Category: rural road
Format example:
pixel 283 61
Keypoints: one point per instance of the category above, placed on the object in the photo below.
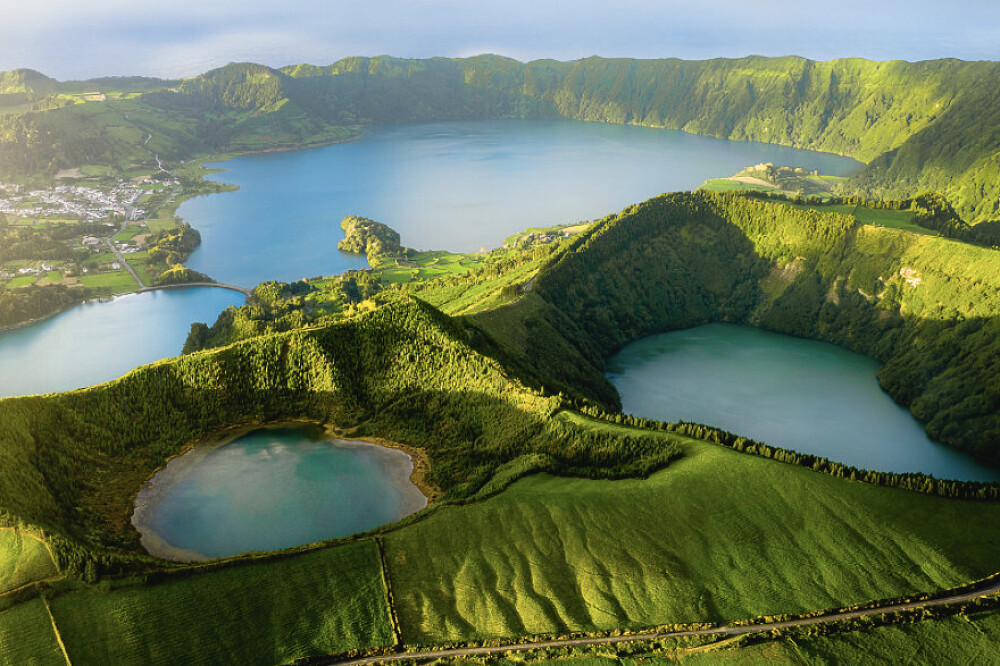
pixel 111 246
pixel 737 630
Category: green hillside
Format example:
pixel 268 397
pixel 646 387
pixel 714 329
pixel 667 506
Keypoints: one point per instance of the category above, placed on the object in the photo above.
pixel 927 307
pixel 545 521
pixel 918 126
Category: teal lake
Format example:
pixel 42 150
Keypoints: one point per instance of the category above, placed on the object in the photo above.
pixel 98 341
pixel 805 395
pixel 457 186
pixel 272 489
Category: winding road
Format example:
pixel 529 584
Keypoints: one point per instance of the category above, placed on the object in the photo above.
pixel 991 587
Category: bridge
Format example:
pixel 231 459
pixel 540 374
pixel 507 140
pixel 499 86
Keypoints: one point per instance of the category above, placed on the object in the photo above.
pixel 219 285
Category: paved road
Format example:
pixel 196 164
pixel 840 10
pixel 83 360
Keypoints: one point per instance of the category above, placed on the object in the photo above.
pixel 111 246
pixel 736 630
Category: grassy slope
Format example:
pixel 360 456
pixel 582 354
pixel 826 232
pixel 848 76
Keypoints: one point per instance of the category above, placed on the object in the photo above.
pixel 317 603
pixel 23 559
pixel 718 536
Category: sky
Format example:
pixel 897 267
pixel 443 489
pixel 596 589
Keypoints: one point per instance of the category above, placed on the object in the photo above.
pixel 70 39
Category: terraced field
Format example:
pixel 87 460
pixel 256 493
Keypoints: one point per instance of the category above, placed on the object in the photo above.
pixel 717 536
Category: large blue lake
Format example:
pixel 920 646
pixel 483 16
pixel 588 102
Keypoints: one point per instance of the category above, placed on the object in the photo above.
pixel 456 186
pixel 806 395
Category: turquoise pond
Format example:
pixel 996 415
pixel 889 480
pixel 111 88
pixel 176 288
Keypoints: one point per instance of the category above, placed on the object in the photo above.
pixel 272 489
pixel 805 395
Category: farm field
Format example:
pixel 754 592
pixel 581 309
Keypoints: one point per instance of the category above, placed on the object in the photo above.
pixel 687 545
pixel 26 636
pixel 23 559
pixel 316 603
pixel 115 282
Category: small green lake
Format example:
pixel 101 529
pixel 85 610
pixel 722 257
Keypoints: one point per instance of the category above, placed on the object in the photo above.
pixel 272 489
pixel 805 395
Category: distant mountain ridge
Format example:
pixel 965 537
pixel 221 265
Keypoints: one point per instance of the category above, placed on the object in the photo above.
pixel 923 125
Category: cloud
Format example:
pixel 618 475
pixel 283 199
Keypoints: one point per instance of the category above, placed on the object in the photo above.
pixel 185 37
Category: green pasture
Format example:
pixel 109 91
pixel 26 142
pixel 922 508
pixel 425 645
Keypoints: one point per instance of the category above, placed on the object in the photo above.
pixel 20 281
pixel 26 636
pixel 23 559
pixel 717 536
pixel 161 223
pixel 114 281
pixel 273 612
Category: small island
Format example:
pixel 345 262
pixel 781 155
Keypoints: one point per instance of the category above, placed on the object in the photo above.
pixel 370 238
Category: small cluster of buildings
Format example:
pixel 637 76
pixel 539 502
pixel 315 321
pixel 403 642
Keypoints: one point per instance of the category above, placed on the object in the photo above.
pixel 75 201
pixel 27 270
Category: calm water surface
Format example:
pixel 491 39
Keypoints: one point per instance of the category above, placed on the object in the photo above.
pixel 805 395
pixel 272 489
pixel 456 186
pixel 98 341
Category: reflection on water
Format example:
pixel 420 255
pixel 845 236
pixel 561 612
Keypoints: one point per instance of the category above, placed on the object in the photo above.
pixel 272 489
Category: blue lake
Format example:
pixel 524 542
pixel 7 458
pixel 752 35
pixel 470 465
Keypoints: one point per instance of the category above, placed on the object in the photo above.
pixel 457 186
pixel 98 341
pixel 805 395
pixel 272 489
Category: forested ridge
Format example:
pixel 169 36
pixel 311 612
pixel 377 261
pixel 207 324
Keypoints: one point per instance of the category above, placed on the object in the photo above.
pixel 925 125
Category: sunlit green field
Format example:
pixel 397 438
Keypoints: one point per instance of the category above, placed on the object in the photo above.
pixel 115 282
pixel 23 559
pixel 716 536
pixel 318 603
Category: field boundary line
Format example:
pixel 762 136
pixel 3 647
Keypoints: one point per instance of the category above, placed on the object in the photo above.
pixel 389 598
pixel 55 630
pixel 40 581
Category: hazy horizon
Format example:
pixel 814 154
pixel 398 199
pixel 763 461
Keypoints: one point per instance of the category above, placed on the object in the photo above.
pixel 186 38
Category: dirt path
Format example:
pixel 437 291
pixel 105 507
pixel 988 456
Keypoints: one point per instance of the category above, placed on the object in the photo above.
pixel 737 630
pixel 750 180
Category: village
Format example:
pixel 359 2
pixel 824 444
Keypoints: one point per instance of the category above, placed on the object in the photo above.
pixel 97 225
pixel 80 202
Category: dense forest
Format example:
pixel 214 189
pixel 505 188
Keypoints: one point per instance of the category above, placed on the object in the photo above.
pixel 918 126
pixel 368 237
pixel 25 304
